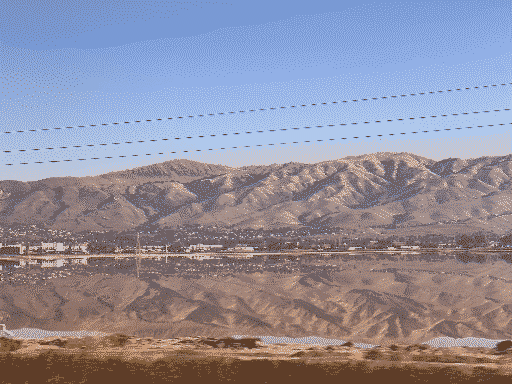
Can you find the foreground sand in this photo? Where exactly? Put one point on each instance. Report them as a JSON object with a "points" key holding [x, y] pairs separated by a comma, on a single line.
{"points": [[96, 359]]}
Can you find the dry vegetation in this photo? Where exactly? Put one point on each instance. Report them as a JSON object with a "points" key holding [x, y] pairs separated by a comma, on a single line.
{"points": [[121, 358]]}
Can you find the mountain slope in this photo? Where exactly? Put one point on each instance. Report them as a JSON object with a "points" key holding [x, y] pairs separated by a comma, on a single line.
{"points": [[382, 190]]}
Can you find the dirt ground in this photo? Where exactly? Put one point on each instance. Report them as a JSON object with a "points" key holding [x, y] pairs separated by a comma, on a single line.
{"points": [[218, 360], [149, 349]]}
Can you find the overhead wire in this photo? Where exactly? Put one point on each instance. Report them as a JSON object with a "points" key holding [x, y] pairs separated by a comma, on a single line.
{"points": [[250, 132], [248, 146], [256, 109]]}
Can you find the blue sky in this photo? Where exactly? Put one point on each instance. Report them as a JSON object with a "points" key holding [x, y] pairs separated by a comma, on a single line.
{"points": [[94, 63]]}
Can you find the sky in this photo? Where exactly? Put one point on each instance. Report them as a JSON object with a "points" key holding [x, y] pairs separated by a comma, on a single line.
{"points": [[89, 87]]}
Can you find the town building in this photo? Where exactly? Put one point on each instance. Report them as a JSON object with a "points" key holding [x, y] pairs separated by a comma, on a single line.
{"points": [[203, 247], [52, 263], [82, 248], [202, 257], [4, 332], [52, 247], [79, 261], [242, 249], [15, 249]]}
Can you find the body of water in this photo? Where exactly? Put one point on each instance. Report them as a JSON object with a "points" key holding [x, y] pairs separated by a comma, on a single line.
{"points": [[35, 333]]}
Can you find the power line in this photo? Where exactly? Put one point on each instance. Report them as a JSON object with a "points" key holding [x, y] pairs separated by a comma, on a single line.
{"points": [[259, 109], [259, 145], [248, 132]]}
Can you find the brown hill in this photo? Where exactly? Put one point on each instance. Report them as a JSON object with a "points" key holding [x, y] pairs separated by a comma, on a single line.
{"points": [[384, 191]]}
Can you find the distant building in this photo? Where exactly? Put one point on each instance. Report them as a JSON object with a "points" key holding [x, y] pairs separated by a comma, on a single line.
{"points": [[410, 247], [79, 261], [202, 257], [203, 247], [16, 249], [242, 249], [52, 247], [4, 332], [154, 248], [52, 263], [79, 248]]}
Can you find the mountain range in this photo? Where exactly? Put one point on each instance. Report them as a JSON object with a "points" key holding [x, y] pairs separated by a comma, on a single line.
{"points": [[375, 193]]}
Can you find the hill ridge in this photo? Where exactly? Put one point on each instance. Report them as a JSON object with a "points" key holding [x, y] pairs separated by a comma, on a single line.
{"points": [[383, 191]]}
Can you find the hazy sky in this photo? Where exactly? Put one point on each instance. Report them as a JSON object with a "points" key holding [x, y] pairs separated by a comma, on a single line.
{"points": [[89, 64]]}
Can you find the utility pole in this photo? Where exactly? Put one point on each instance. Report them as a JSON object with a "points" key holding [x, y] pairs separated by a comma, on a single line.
{"points": [[138, 255]]}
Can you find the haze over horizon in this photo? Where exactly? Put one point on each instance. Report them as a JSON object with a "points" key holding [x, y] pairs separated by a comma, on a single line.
{"points": [[309, 154], [308, 161]]}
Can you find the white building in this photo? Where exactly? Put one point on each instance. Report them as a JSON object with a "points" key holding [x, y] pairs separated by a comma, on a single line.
{"points": [[55, 247], [202, 247], [242, 249], [4, 332], [79, 248], [52, 263], [154, 248], [202, 257], [79, 261], [14, 249]]}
